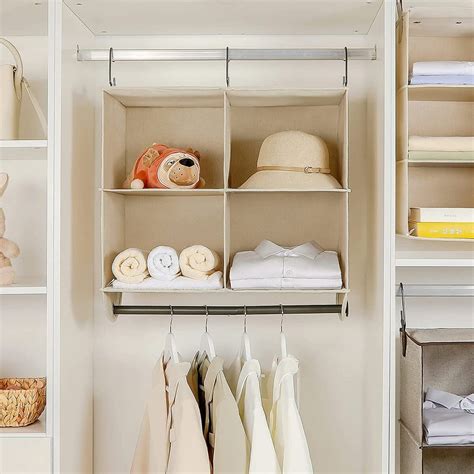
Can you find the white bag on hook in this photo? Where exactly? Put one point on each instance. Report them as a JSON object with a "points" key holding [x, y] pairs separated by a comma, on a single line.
{"points": [[11, 83]]}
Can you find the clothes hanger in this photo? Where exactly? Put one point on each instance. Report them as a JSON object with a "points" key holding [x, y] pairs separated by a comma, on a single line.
{"points": [[245, 351], [207, 344], [283, 348], [170, 352]]}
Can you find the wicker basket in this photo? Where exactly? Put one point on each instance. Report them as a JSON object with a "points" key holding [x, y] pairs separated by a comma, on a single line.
{"points": [[21, 401]]}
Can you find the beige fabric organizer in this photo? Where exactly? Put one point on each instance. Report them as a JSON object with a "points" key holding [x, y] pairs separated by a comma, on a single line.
{"points": [[431, 110], [228, 128], [442, 359]]}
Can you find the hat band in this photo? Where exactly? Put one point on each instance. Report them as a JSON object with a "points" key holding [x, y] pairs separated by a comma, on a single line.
{"points": [[305, 169]]}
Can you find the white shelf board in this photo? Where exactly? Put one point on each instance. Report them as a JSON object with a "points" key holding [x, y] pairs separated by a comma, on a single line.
{"points": [[25, 286], [109, 289], [238, 190], [23, 149], [166, 192], [36, 430], [439, 92], [434, 259], [430, 239]]}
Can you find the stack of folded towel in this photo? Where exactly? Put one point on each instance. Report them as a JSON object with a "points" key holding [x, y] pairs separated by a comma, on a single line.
{"points": [[162, 269], [441, 149], [443, 72], [448, 418], [270, 266]]}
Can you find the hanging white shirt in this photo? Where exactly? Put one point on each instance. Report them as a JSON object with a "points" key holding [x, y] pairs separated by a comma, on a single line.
{"points": [[273, 266], [263, 458], [286, 427]]}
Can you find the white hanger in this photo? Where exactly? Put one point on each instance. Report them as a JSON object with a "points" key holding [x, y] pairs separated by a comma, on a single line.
{"points": [[207, 344], [245, 351], [170, 352], [283, 349]]}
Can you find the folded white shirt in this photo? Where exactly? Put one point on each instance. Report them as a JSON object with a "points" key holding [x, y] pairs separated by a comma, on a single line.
{"points": [[446, 414], [213, 282], [443, 440], [273, 266], [441, 68]]}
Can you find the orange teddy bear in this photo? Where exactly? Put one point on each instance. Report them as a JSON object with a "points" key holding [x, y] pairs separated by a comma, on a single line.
{"points": [[163, 167]]}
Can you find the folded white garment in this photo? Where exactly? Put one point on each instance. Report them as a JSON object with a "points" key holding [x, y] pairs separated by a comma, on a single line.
{"points": [[447, 414], [272, 266], [278, 283], [442, 80], [443, 440], [163, 263], [438, 68], [416, 143], [129, 266], [213, 282], [198, 262]]}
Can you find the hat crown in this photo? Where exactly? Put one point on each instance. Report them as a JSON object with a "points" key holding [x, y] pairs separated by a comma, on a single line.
{"points": [[294, 148]]}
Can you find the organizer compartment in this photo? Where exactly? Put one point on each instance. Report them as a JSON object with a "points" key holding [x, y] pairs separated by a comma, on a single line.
{"points": [[254, 115], [441, 359]]}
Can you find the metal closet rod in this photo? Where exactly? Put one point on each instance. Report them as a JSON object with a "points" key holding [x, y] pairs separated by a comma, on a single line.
{"points": [[419, 290], [227, 54], [226, 310]]}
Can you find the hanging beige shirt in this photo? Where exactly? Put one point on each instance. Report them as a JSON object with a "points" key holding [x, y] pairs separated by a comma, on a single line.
{"points": [[285, 422], [228, 446], [171, 439]]}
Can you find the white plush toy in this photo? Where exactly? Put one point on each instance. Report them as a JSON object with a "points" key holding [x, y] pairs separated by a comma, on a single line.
{"points": [[8, 249]]}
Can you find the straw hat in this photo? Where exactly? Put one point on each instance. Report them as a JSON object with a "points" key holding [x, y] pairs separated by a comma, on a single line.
{"points": [[292, 160]]}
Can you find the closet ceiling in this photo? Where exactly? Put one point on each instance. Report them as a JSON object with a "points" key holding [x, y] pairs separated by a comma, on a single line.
{"points": [[226, 17], [23, 18]]}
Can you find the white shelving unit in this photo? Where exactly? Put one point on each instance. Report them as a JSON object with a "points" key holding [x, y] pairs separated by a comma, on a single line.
{"points": [[25, 286], [232, 126], [23, 149]]}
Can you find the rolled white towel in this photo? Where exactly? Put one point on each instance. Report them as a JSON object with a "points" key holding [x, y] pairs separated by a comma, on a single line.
{"points": [[129, 266], [163, 263], [440, 68], [198, 262]]}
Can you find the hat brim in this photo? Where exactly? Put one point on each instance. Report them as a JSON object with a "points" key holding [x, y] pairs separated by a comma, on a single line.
{"points": [[290, 180]]}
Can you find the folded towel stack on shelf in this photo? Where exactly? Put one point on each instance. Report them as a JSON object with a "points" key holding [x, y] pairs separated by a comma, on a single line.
{"points": [[444, 223], [270, 266], [440, 149], [448, 418], [195, 269], [443, 73]]}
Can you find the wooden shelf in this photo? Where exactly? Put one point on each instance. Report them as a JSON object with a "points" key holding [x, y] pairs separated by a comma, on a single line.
{"points": [[25, 286], [36, 430], [23, 149], [439, 92], [166, 192], [109, 289]]}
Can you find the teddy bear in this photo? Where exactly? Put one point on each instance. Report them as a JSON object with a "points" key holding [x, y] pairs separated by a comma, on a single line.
{"points": [[161, 166], [8, 249]]}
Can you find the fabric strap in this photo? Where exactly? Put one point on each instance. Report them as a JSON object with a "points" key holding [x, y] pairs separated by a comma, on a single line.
{"points": [[297, 169]]}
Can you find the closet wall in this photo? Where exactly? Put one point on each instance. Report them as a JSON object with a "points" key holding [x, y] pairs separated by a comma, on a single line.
{"points": [[341, 363]]}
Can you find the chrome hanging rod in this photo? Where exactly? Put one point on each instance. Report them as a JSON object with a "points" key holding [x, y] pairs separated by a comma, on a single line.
{"points": [[226, 54], [420, 291], [226, 310]]}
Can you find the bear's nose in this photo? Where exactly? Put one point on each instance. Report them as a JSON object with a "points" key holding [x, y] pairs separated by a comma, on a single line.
{"points": [[186, 162]]}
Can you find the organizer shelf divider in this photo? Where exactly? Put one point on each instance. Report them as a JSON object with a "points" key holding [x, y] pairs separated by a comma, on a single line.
{"points": [[227, 127]]}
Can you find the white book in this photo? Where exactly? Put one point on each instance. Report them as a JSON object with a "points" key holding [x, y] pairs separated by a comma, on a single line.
{"points": [[442, 214]]}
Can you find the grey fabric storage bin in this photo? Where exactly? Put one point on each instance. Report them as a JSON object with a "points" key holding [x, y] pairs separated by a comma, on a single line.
{"points": [[441, 359]]}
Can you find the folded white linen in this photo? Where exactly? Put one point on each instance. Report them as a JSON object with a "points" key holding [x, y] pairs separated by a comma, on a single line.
{"points": [[129, 266], [212, 282], [198, 262], [447, 422], [288, 283], [417, 143], [439, 68], [442, 80], [163, 263], [443, 440], [269, 260]]}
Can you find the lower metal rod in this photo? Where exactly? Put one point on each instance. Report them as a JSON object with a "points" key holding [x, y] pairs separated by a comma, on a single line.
{"points": [[226, 310]]}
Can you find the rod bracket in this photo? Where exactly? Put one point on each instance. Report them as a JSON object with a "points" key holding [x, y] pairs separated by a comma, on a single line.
{"points": [[345, 79], [403, 321], [227, 61]]}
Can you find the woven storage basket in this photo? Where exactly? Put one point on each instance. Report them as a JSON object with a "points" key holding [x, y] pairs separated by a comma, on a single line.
{"points": [[21, 401]]}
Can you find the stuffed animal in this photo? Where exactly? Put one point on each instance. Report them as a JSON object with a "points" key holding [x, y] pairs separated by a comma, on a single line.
{"points": [[163, 167], [8, 249]]}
